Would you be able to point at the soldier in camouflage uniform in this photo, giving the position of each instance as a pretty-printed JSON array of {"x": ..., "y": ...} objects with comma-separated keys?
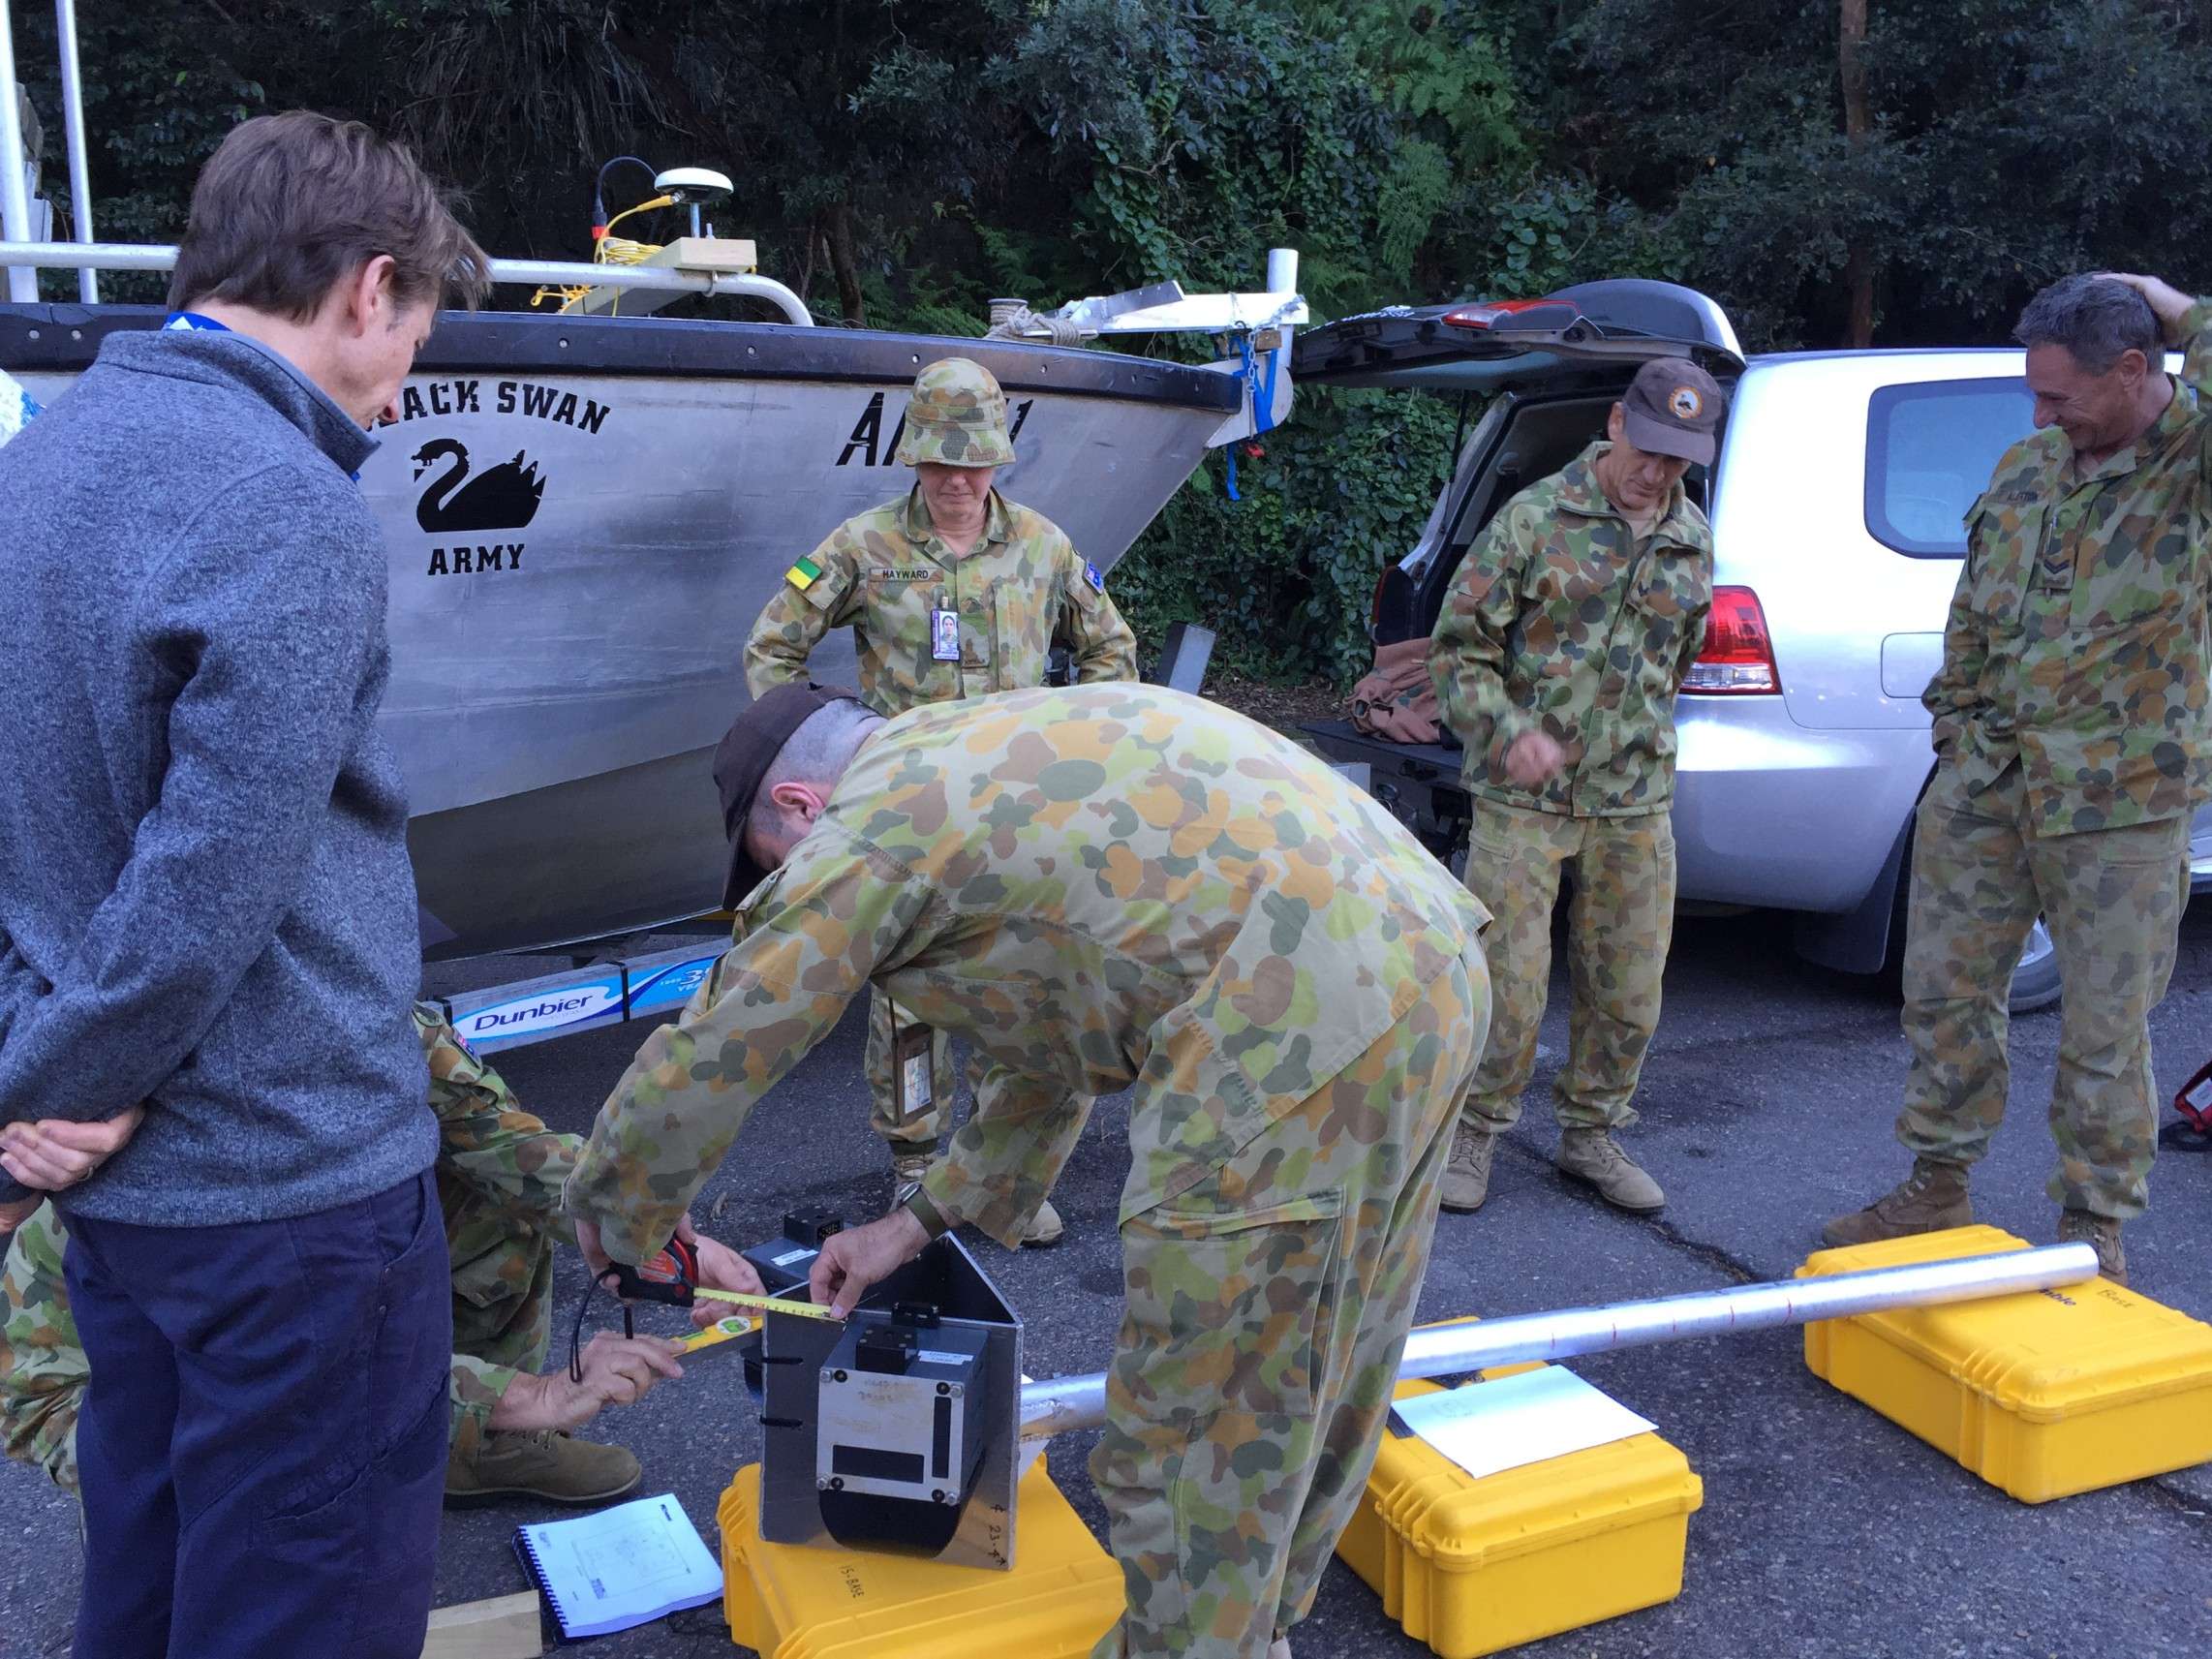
[
  {"x": 2071, "y": 748},
  {"x": 1557, "y": 658},
  {"x": 951, "y": 591},
  {"x": 1105, "y": 886},
  {"x": 499, "y": 1177}
]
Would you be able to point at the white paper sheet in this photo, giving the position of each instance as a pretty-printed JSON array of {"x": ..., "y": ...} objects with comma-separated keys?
[
  {"x": 1488, "y": 1426},
  {"x": 622, "y": 1566}
]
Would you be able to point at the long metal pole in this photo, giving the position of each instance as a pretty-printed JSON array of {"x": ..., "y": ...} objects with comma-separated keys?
[
  {"x": 1060, "y": 1405},
  {"x": 550, "y": 274},
  {"x": 80, "y": 162},
  {"x": 15, "y": 200}
]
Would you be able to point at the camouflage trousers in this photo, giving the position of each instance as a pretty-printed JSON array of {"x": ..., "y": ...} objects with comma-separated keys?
[
  {"x": 2112, "y": 900},
  {"x": 502, "y": 1306},
  {"x": 1620, "y": 920},
  {"x": 1266, "y": 1310},
  {"x": 1031, "y": 1126}
]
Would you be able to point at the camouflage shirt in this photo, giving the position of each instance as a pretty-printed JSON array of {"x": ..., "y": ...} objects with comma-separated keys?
[
  {"x": 1561, "y": 620},
  {"x": 2077, "y": 642},
  {"x": 1100, "y": 885},
  {"x": 883, "y": 575}
]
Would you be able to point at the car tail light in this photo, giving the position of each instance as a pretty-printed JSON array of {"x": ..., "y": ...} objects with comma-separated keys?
[
  {"x": 1494, "y": 312},
  {"x": 1738, "y": 659}
]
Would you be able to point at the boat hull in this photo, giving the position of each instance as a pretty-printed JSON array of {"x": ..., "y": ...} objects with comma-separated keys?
[{"x": 582, "y": 518}]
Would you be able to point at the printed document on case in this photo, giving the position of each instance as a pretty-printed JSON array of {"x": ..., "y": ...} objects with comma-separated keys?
[{"x": 1486, "y": 1426}]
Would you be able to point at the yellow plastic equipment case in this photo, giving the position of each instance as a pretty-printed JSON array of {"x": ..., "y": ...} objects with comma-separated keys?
[
  {"x": 1474, "y": 1565},
  {"x": 2042, "y": 1395},
  {"x": 791, "y": 1601}
]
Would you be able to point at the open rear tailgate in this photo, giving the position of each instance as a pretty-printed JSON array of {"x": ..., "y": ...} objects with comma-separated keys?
[{"x": 1596, "y": 331}]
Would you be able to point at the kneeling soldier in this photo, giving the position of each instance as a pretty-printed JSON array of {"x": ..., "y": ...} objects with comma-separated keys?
[{"x": 500, "y": 1174}]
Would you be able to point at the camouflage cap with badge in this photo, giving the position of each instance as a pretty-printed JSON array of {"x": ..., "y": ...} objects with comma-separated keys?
[
  {"x": 957, "y": 417},
  {"x": 1674, "y": 408}
]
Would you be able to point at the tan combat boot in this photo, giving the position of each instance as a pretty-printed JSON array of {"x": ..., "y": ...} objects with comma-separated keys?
[
  {"x": 1045, "y": 1228},
  {"x": 1467, "y": 1177},
  {"x": 1930, "y": 1199},
  {"x": 1594, "y": 1157},
  {"x": 2079, "y": 1226},
  {"x": 1281, "y": 1647},
  {"x": 542, "y": 1463}
]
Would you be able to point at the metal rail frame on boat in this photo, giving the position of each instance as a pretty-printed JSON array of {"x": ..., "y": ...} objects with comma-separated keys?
[
  {"x": 550, "y": 274},
  {"x": 1059, "y": 1405}
]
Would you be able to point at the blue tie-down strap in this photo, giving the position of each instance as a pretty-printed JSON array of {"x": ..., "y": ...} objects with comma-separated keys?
[{"x": 1262, "y": 398}]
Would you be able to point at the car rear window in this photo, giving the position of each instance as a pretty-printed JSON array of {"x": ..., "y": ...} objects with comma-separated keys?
[{"x": 1931, "y": 449}]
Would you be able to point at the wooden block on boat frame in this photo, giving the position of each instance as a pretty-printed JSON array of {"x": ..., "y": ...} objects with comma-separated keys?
[
  {"x": 503, "y": 1627},
  {"x": 723, "y": 255}
]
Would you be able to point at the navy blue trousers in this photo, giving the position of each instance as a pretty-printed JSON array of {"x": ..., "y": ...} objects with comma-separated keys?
[{"x": 262, "y": 1446}]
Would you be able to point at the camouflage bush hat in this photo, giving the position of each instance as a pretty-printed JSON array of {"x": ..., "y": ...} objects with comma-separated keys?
[
  {"x": 1674, "y": 408},
  {"x": 741, "y": 759},
  {"x": 956, "y": 417}
]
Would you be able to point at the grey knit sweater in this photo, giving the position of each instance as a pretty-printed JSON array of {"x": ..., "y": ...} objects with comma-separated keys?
[{"x": 206, "y": 901}]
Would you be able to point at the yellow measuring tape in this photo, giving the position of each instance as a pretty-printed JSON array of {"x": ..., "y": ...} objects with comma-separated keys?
[{"x": 768, "y": 1303}]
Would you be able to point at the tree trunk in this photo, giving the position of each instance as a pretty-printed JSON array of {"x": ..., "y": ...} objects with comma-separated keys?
[
  {"x": 1858, "y": 270},
  {"x": 837, "y": 233}
]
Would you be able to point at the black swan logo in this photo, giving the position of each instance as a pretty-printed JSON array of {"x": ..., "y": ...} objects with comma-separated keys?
[{"x": 504, "y": 498}]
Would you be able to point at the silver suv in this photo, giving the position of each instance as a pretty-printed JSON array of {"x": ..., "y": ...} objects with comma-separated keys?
[{"x": 1837, "y": 506}]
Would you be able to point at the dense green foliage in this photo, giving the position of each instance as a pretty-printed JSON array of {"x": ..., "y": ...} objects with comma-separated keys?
[{"x": 901, "y": 162}]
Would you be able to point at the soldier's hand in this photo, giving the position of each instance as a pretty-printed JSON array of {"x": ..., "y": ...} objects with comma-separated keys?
[
  {"x": 852, "y": 1261},
  {"x": 1534, "y": 758},
  {"x": 57, "y": 1152},
  {"x": 13, "y": 1215},
  {"x": 721, "y": 1267},
  {"x": 618, "y": 1370},
  {"x": 2169, "y": 304}
]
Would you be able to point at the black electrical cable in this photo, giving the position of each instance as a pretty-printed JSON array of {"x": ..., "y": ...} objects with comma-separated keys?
[{"x": 600, "y": 187}]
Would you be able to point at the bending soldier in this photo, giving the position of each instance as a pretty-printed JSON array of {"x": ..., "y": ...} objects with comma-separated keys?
[
  {"x": 952, "y": 590},
  {"x": 2070, "y": 751},
  {"x": 1556, "y": 659},
  {"x": 1104, "y": 886}
]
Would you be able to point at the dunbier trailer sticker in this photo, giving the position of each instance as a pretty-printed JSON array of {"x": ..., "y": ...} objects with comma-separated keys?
[{"x": 604, "y": 999}]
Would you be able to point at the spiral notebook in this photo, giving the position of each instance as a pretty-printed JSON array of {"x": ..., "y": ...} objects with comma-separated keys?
[{"x": 620, "y": 1567}]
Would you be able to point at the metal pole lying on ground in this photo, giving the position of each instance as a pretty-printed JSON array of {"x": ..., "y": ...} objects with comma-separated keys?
[{"x": 1060, "y": 1405}]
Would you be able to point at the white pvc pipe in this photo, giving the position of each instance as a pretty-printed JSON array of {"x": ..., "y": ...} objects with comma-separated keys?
[
  {"x": 23, "y": 256},
  {"x": 1060, "y": 1405},
  {"x": 80, "y": 163},
  {"x": 15, "y": 200}
]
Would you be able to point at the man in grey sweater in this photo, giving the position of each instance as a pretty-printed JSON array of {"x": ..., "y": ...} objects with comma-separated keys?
[{"x": 206, "y": 912}]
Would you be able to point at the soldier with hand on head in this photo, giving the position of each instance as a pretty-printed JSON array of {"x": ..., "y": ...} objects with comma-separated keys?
[
  {"x": 1107, "y": 886},
  {"x": 2072, "y": 750},
  {"x": 1557, "y": 658},
  {"x": 951, "y": 591},
  {"x": 499, "y": 1177}
]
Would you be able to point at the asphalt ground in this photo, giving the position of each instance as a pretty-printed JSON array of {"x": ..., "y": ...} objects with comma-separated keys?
[{"x": 1767, "y": 1103}]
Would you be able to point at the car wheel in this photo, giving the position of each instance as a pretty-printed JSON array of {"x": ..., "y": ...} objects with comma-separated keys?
[{"x": 2034, "y": 982}]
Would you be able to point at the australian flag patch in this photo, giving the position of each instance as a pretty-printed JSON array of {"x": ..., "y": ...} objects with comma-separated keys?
[{"x": 1090, "y": 575}]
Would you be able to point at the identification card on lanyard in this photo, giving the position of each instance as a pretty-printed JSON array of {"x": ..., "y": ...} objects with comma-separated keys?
[
  {"x": 944, "y": 635},
  {"x": 917, "y": 1083}
]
